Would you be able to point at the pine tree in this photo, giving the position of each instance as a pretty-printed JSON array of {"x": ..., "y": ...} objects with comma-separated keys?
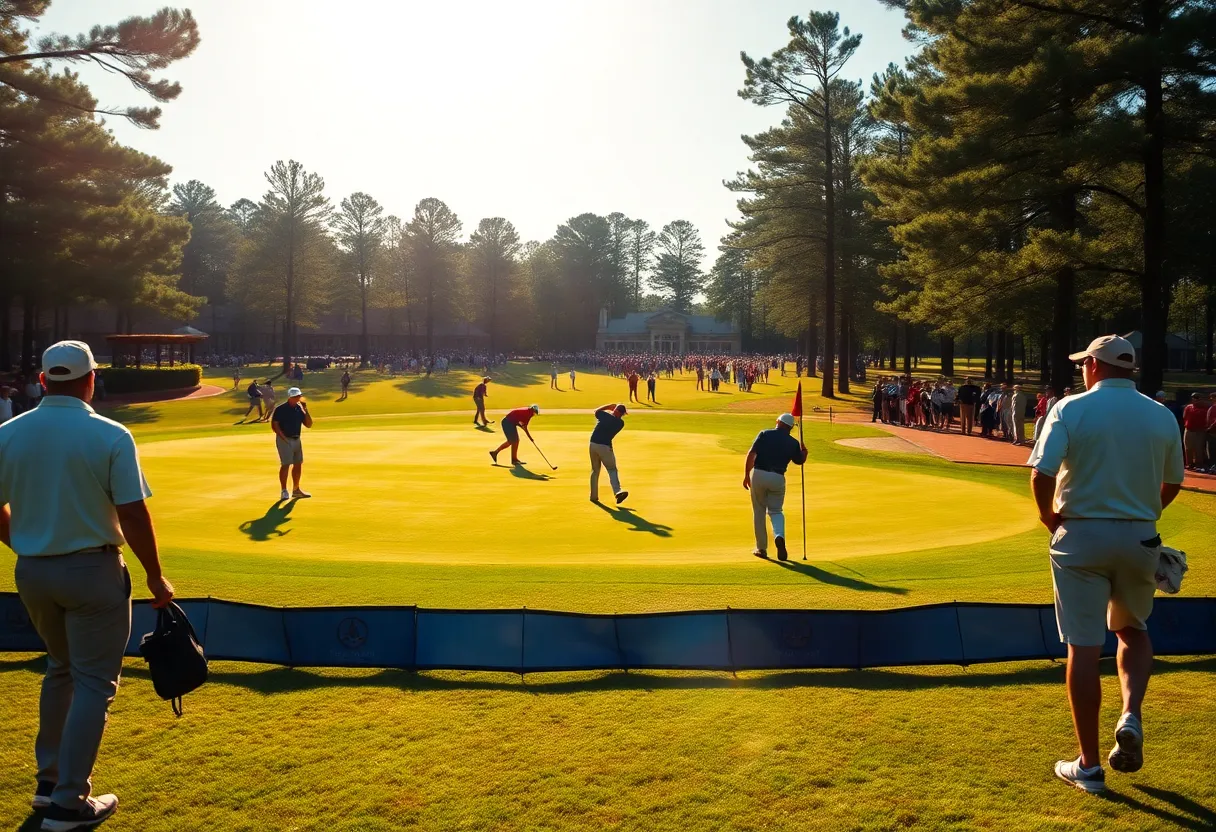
[
  {"x": 494, "y": 260},
  {"x": 800, "y": 74},
  {"x": 434, "y": 234},
  {"x": 360, "y": 227},
  {"x": 640, "y": 249},
  {"x": 677, "y": 272}
]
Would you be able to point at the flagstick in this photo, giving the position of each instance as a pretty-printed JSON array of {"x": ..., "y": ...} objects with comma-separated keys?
[{"x": 801, "y": 441}]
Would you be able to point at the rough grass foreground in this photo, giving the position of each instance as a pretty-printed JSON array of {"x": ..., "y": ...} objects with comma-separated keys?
[{"x": 264, "y": 748}]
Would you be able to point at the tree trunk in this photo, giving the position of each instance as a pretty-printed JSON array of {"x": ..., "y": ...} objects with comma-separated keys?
[
  {"x": 1022, "y": 348},
  {"x": 846, "y": 363},
  {"x": 287, "y": 317},
  {"x": 948, "y": 356},
  {"x": 988, "y": 354},
  {"x": 6, "y": 331},
  {"x": 1001, "y": 343},
  {"x": 812, "y": 349},
  {"x": 829, "y": 251},
  {"x": 1154, "y": 290},
  {"x": 1044, "y": 363},
  {"x": 894, "y": 342},
  {"x": 1009, "y": 357},
  {"x": 365, "y": 351},
  {"x": 1209, "y": 329},
  {"x": 907, "y": 348},
  {"x": 28, "y": 322}
]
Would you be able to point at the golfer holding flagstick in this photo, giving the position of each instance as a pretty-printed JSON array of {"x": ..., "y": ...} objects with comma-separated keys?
[{"x": 764, "y": 476}]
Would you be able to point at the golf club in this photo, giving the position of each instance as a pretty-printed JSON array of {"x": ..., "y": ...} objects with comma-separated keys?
[{"x": 542, "y": 454}]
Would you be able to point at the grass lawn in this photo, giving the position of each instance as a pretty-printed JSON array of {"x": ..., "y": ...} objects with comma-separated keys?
[{"x": 408, "y": 509}]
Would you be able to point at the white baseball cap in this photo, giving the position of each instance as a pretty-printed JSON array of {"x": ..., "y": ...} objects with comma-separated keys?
[
  {"x": 535, "y": 409},
  {"x": 292, "y": 392},
  {"x": 786, "y": 419},
  {"x": 68, "y": 361},
  {"x": 1109, "y": 349}
]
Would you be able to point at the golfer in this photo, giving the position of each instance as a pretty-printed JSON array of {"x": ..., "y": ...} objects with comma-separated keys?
[
  {"x": 479, "y": 399},
  {"x": 345, "y": 383},
  {"x": 289, "y": 419},
  {"x": 268, "y": 395},
  {"x": 511, "y": 423},
  {"x": 255, "y": 400},
  {"x": 609, "y": 421},
  {"x": 764, "y": 476},
  {"x": 72, "y": 493},
  {"x": 1105, "y": 465}
]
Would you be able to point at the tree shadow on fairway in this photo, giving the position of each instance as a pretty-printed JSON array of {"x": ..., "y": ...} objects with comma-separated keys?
[
  {"x": 832, "y": 579},
  {"x": 267, "y": 526},
  {"x": 1189, "y": 814},
  {"x": 636, "y": 522}
]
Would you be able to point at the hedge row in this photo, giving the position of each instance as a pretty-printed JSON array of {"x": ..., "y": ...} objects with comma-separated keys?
[{"x": 122, "y": 380}]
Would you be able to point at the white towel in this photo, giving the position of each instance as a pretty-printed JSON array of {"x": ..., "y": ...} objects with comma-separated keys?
[{"x": 1171, "y": 566}]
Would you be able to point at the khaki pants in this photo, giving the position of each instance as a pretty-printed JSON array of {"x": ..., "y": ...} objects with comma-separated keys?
[
  {"x": 603, "y": 455},
  {"x": 1195, "y": 442},
  {"x": 967, "y": 416},
  {"x": 80, "y": 604},
  {"x": 768, "y": 496},
  {"x": 1104, "y": 573}
]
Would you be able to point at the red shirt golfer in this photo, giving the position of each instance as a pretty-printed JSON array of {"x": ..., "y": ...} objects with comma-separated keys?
[
  {"x": 518, "y": 418},
  {"x": 633, "y": 386}
]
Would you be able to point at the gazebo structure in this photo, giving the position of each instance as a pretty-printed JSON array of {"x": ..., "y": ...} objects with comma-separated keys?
[{"x": 180, "y": 347}]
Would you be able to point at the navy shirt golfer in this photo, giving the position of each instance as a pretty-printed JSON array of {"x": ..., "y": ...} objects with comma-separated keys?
[
  {"x": 608, "y": 423},
  {"x": 764, "y": 477}
]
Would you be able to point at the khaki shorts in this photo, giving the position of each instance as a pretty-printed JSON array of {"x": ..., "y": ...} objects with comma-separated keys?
[
  {"x": 291, "y": 451},
  {"x": 1104, "y": 572},
  {"x": 1195, "y": 442}
]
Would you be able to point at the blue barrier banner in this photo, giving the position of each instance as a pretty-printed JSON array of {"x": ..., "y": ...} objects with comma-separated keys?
[
  {"x": 17, "y": 633},
  {"x": 1183, "y": 626},
  {"x": 245, "y": 633},
  {"x": 913, "y": 635},
  {"x": 521, "y": 641},
  {"x": 567, "y": 641},
  {"x": 351, "y": 637},
  {"x": 763, "y": 639},
  {"x": 682, "y": 640},
  {"x": 470, "y": 640},
  {"x": 143, "y": 620},
  {"x": 992, "y": 632}
]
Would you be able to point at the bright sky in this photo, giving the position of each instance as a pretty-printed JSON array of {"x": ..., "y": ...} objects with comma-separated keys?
[{"x": 534, "y": 110}]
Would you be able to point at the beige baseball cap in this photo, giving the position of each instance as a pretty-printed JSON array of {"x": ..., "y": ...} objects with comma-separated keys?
[
  {"x": 786, "y": 419},
  {"x": 68, "y": 361},
  {"x": 1109, "y": 349}
]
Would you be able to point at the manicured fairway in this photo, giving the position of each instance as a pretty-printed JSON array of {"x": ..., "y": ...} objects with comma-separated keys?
[{"x": 408, "y": 509}]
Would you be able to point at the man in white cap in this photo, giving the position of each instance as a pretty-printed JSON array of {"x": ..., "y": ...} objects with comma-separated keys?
[
  {"x": 764, "y": 476},
  {"x": 72, "y": 493},
  {"x": 288, "y": 421},
  {"x": 1106, "y": 464},
  {"x": 511, "y": 423}
]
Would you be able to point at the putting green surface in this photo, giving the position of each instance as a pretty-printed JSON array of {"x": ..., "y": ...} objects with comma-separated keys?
[{"x": 431, "y": 495}]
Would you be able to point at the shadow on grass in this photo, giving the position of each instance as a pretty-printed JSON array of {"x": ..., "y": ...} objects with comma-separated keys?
[
  {"x": 267, "y": 526},
  {"x": 270, "y": 680},
  {"x": 832, "y": 579},
  {"x": 520, "y": 472},
  {"x": 636, "y": 522},
  {"x": 1189, "y": 814}
]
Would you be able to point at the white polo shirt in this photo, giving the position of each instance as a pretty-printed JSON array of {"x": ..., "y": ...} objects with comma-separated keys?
[
  {"x": 63, "y": 468},
  {"x": 1110, "y": 449}
]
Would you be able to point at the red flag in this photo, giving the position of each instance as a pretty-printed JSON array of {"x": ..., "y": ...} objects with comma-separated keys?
[{"x": 796, "y": 410}]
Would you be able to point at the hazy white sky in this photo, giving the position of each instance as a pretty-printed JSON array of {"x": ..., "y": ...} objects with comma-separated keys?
[{"x": 534, "y": 110}]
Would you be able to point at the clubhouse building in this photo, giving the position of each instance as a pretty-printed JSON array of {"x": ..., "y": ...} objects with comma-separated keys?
[{"x": 667, "y": 332}]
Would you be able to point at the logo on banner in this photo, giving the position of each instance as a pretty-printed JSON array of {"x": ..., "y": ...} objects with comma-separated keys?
[
  {"x": 352, "y": 633},
  {"x": 796, "y": 635}
]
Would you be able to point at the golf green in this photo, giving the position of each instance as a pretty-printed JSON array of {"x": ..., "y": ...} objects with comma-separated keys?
[{"x": 430, "y": 494}]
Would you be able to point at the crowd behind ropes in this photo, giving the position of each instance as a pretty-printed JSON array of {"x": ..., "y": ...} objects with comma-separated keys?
[{"x": 1003, "y": 412}]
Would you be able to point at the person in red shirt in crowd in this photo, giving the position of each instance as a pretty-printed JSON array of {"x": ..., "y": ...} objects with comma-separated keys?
[
  {"x": 511, "y": 423},
  {"x": 1195, "y": 431},
  {"x": 914, "y": 405},
  {"x": 633, "y": 386}
]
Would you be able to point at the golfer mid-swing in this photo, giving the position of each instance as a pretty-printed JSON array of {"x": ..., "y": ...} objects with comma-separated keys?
[
  {"x": 608, "y": 423},
  {"x": 511, "y": 423},
  {"x": 764, "y": 476}
]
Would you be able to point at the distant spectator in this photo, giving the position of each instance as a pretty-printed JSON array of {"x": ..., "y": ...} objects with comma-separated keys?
[
  {"x": 33, "y": 392},
  {"x": 6, "y": 404},
  {"x": 1195, "y": 431}
]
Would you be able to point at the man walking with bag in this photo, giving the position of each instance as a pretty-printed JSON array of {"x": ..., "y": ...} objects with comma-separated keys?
[
  {"x": 72, "y": 493},
  {"x": 1106, "y": 464}
]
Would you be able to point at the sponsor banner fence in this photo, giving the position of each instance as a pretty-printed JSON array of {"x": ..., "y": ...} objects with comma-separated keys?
[{"x": 532, "y": 641}]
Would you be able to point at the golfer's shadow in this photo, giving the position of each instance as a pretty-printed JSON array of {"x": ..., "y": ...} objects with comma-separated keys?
[
  {"x": 636, "y": 522},
  {"x": 267, "y": 526},
  {"x": 523, "y": 473}
]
